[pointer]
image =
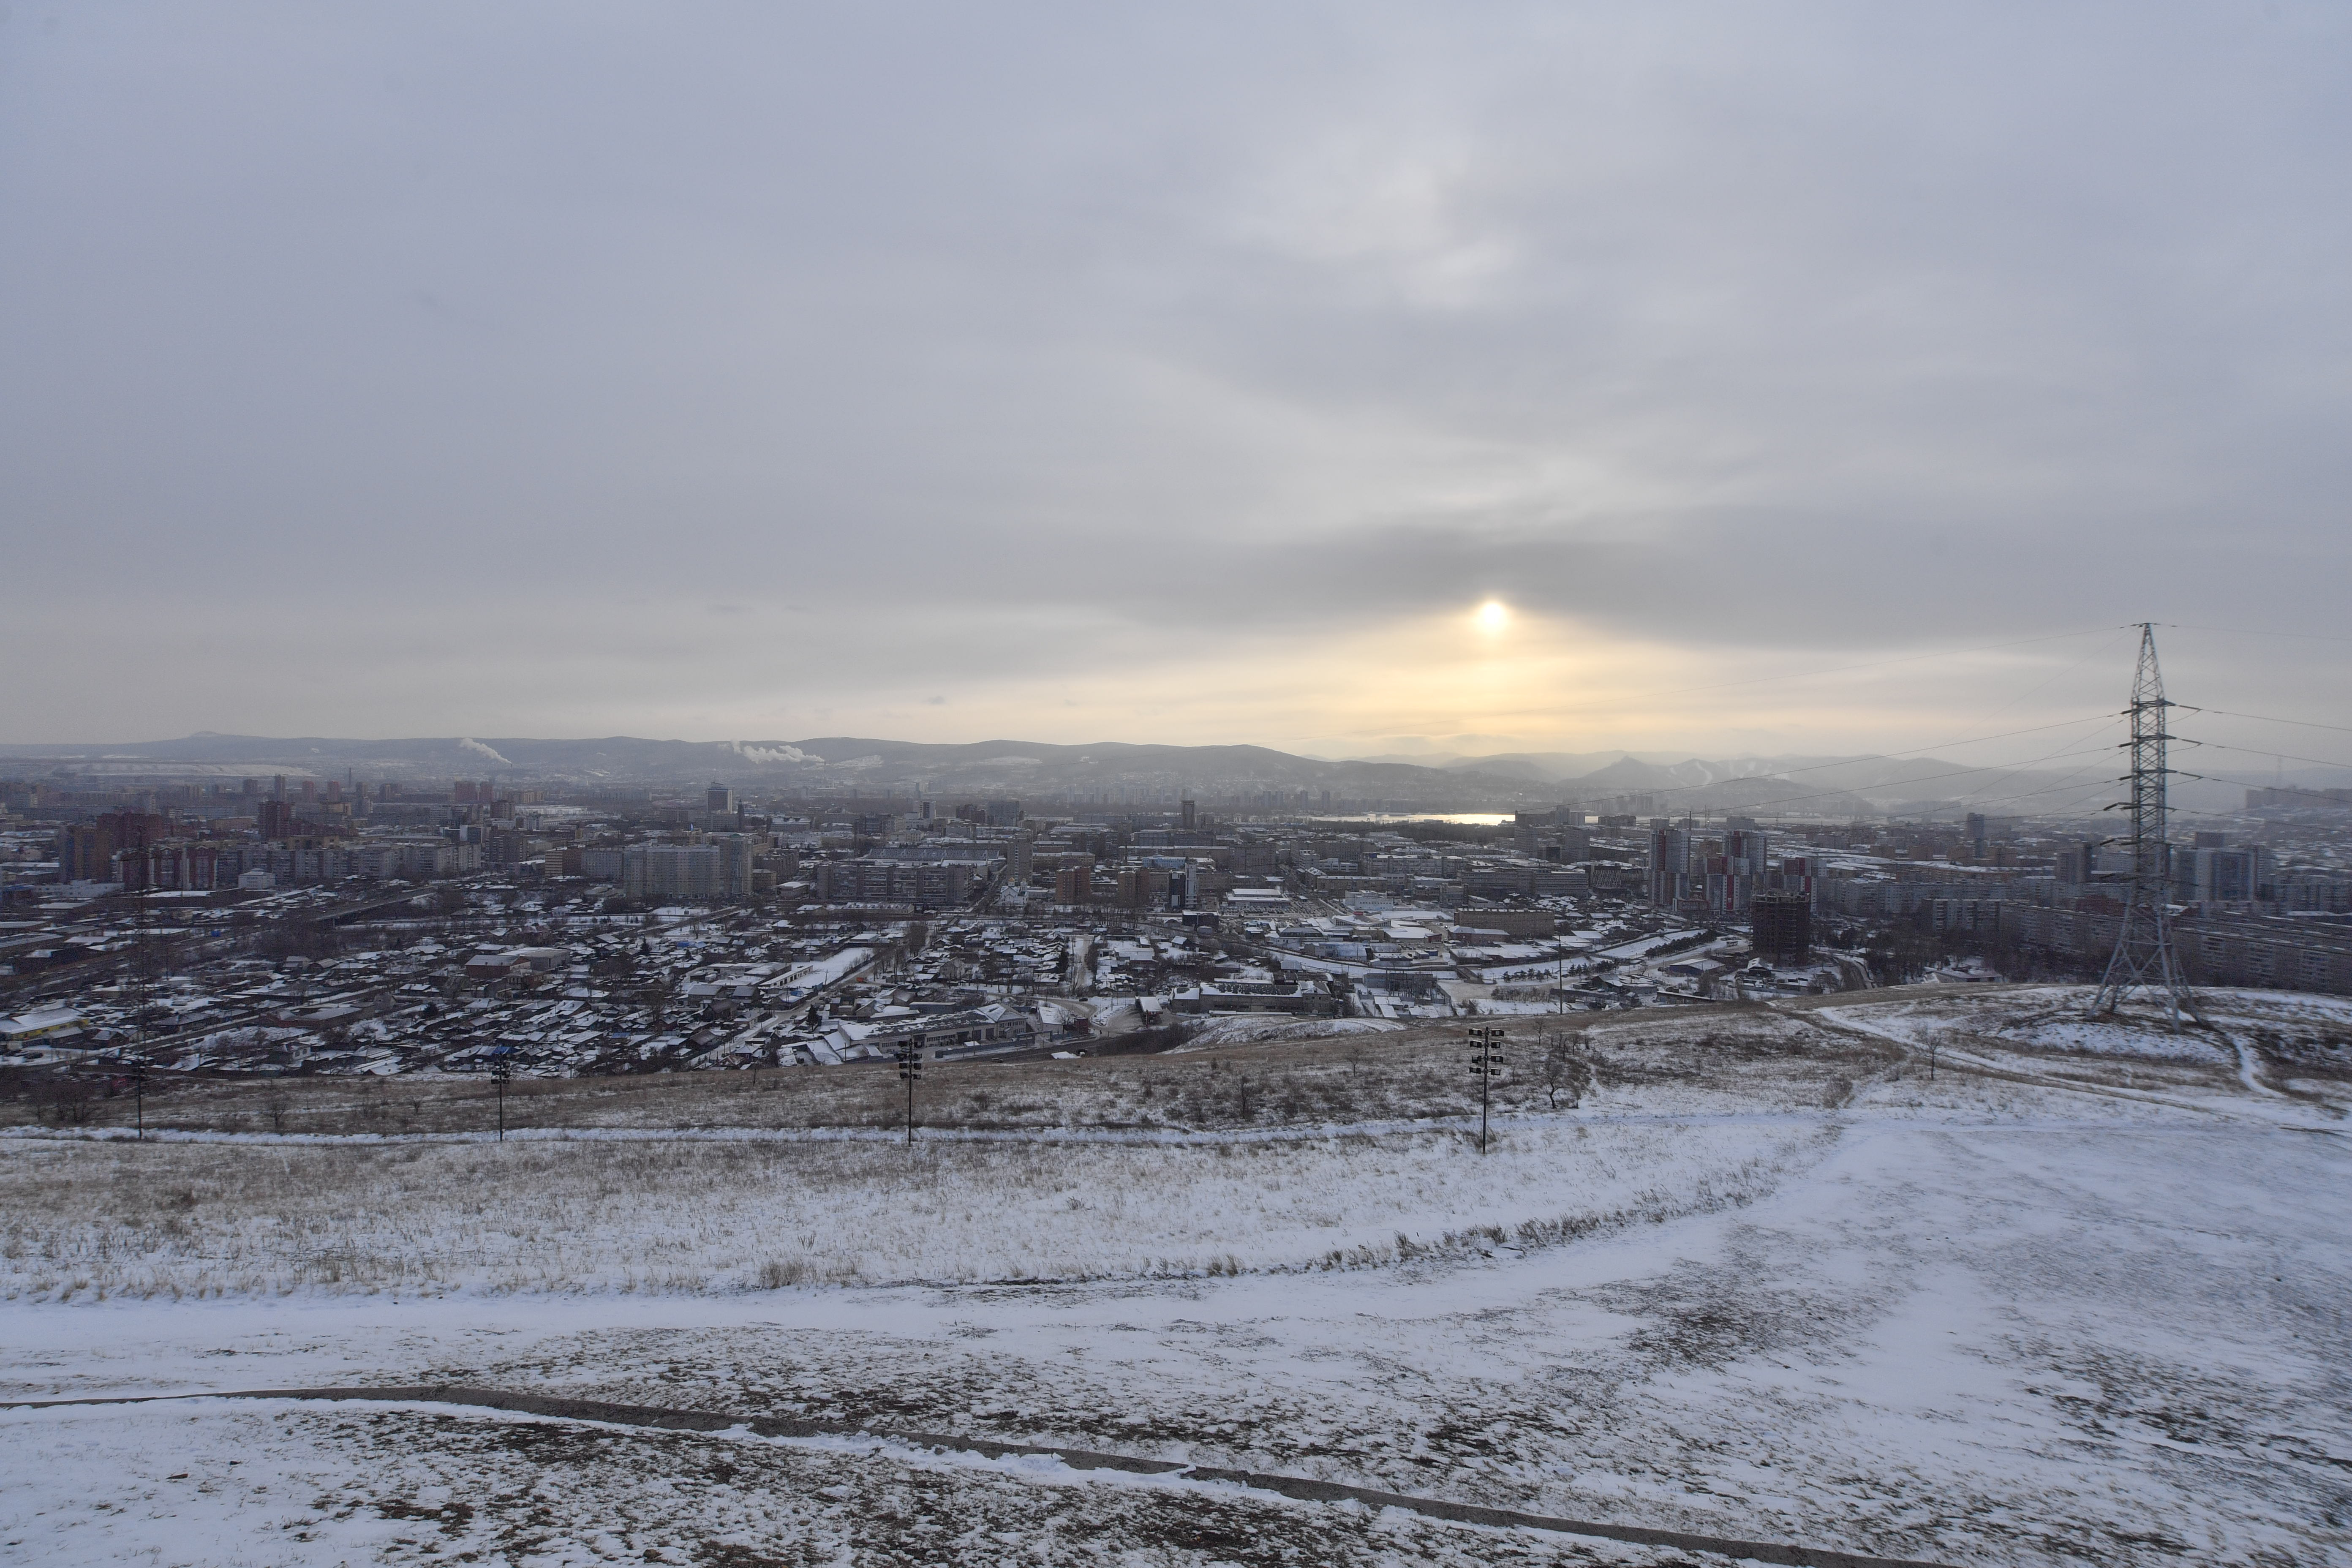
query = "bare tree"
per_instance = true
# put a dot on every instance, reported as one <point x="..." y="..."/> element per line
<point x="1563" y="1070"/>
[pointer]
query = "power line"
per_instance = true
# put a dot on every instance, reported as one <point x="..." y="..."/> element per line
<point x="2267" y="751"/>
<point x="1881" y="756"/>
<point x="1874" y="663"/>
<point x="1971" y="799"/>
<point x="2267" y="719"/>
<point x="2247" y="784"/>
<point x="1929" y="778"/>
<point x="2094" y="653"/>
<point x="2046" y="789"/>
<point x="2250" y="632"/>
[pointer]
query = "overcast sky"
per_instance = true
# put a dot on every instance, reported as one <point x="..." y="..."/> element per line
<point x="1186" y="374"/>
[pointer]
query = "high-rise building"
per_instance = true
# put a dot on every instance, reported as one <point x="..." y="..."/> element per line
<point x="1780" y="926"/>
<point x="86" y="851"/>
<point x="1145" y="887"/>
<point x="719" y="799"/>
<point x="1669" y="866"/>
<point x="2225" y="876"/>
<point x="1745" y="848"/>
<point x="1734" y="876"/>
<point x="689" y="871"/>
<point x="925" y="884"/>
<point x="2075" y="867"/>
<point x="735" y="851"/>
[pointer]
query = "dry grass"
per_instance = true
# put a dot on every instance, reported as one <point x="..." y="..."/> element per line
<point x="265" y="1214"/>
<point x="1358" y="1077"/>
<point x="90" y="1220"/>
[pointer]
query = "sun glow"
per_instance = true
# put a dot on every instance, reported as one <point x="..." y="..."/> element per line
<point x="1493" y="616"/>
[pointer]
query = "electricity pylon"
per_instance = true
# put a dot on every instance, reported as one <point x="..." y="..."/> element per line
<point x="2144" y="958"/>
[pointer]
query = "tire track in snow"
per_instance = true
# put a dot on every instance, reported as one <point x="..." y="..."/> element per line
<point x="1958" y="1059"/>
<point x="791" y="1428"/>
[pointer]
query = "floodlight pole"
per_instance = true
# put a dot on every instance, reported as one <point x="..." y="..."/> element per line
<point x="1486" y="1045"/>
<point x="910" y="1071"/>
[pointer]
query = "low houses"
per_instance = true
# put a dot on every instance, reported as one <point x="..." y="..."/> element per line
<point x="1304" y="997"/>
<point x="53" y="1024"/>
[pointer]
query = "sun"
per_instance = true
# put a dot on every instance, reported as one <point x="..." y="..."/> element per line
<point x="1493" y="616"/>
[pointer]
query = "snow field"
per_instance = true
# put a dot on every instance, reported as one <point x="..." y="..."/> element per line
<point x="271" y="1485"/>
<point x="2028" y="1312"/>
<point x="1253" y="1030"/>
<point x="2052" y="1018"/>
<point x="2036" y="1024"/>
<point x="87" y="1221"/>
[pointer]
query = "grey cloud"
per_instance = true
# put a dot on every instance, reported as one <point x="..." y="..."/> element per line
<point x="1858" y="327"/>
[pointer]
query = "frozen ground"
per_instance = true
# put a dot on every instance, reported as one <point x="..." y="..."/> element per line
<point x="91" y="1221"/>
<point x="2293" y="1048"/>
<point x="2022" y="1313"/>
<point x="1243" y="1031"/>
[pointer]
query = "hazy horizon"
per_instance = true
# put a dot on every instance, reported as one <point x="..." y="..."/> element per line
<point x="1398" y="381"/>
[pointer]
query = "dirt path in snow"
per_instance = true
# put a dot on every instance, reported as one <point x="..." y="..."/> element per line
<point x="1301" y="1487"/>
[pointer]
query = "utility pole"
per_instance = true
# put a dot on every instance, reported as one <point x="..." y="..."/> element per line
<point x="139" y="1088"/>
<point x="2144" y="958"/>
<point x="910" y="1072"/>
<point x="141" y="957"/>
<point x="1485" y="1063"/>
<point x="502" y="1070"/>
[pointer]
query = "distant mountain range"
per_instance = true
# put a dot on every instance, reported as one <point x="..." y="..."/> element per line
<point x="1831" y="786"/>
<point x="1116" y="770"/>
<point x="1797" y="787"/>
